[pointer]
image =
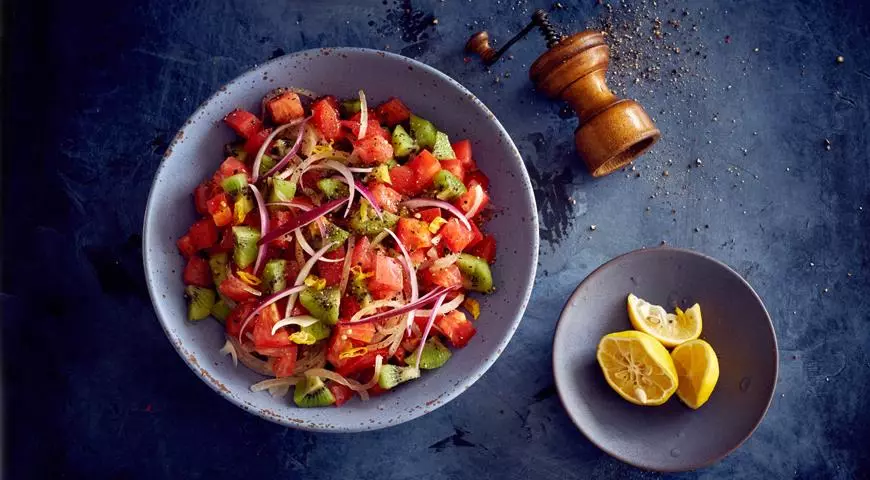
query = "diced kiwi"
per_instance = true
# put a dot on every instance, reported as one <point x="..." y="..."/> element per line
<point x="219" y="265"/>
<point x="365" y="222"/>
<point x="245" y="250"/>
<point x="281" y="191"/>
<point x="200" y="300"/>
<point x="359" y="289"/>
<point x="403" y="143"/>
<point x="220" y="310"/>
<point x="449" y="186"/>
<point x="236" y="150"/>
<point x="311" y="392"/>
<point x="332" y="188"/>
<point x="476" y="274"/>
<point x="381" y="173"/>
<point x="280" y="148"/>
<point x="434" y="355"/>
<point x="319" y="330"/>
<point x="335" y="235"/>
<point x="351" y="107"/>
<point x="392" y="375"/>
<point x="322" y="304"/>
<point x="424" y="132"/>
<point x="275" y="275"/>
<point x="442" y="149"/>
<point x="235" y="183"/>
<point x="266" y="163"/>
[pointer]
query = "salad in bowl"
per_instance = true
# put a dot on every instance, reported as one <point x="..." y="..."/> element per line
<point x="342" y="246"/>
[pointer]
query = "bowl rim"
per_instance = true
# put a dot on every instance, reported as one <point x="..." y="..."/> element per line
<point x="455" y="390"/>
<point x="562" y="322"/>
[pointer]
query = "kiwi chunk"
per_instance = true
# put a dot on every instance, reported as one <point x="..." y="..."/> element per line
<point x="434" y="355"/>
<point x="281" y="191"/>
<point x="322" y="304"/>
<point x="476" y="274"/>
<point x="351" y="107"/>
<point x="219" y="265"/>
<point x="235" y="183"/>
<point x="449" y="186"/>
<point x="274" y="275"/>
<point x="220" y="311"/>
<point x="245" y="250"/>
<point x="311" y="392"/>
<point x="319" y="330"/>
<point x="200" y="300"/>
<point x="442" y="149"/>
<point x="266" y="163"/>
<point x="392" y="375"/>
<point x="424" y="132"/>
<point x="332" y="188"/>
<point x="365" y="222"/>
<point x="403" y="143"/>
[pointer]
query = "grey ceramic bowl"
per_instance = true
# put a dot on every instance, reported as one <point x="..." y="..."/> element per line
<point x="671" y="437"/>
<point x="196" y="153"/>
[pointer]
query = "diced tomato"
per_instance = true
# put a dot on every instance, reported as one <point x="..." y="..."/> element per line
<point x="237" y="316"/>
<point x="285" y="108"/>
<point x="283" y="366"/>
<point x="393" y="111"/>
<point x="292" y="271"/>
<point x="331" y="271"/>
<point x="311" y="177"/>
<point x="455" y="327"/>
<point x="462" y="149"/>
<point x="197" y="272"/>
<point x="429" y="214"/>
<point x="353" y="365"/>
<point x="386" y="197"/>
<point x="226" y="244"/>
<point x="456" y="236"/>
<point x="477" y="177"/>
<point x="337" y="343"/>
<point x="324" y="117"/>
<point x="232" y="166"/>
<point x="405" y="181"/>
<point x="477" y="235"/>
<point x="201" y="194"/>
<point x="363" y="256"/>
<point x="414" y="233"/>
<point x="418" y="257"/>
<point x="443" y="277"/>
<point x="485" y="249"/>
<point x="425" y="166"/>
<point x="203" y="233"/>
<point x="373" y="149"/>
<point x="472" y="201"/>
<point x="262" y="331"/>
<point x="277" y="219"/>
<point x="373" y="129"/>
<point x="363" y="332"/>
<point x="219" y="209"/>
<point x="253" y="144"/>
<point x="388" y="275"/>
<point x="455" y="167"/>
<point x="401" y="354"/>
<point x="186" y="247"/>
<point x="341" y="393"/>
<point x="235" y="289"/>
<point x="348" y="307"/>
<point x="373" y="115"/>
<point x="243" y="122"/>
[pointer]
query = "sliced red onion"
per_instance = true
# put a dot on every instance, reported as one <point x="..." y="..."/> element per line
<point x="360" y="169"/>
<point x="348" y="177"/>
<point x="259" y="158"/>
<point x="301" y="220"/>
<point x="429" y="323"/>
<point x="300" y="206"/>
<point x="320" y="228"/>
<point x="264" y="227"/>
<point x="345" y="269"/>
<point x="424" y="300"/>
<point x="306" y="269"/>
<point x="478" y="199"/>
<point x="363" y="115"/>
<point x="445" y="308"/>
<point x="412" y="276"/>
<point x="266" y="302"/>
<point x="367" y="194"/>
<point x="291" y="153"/>
<point x="301" y="320"/>
<point x="445" y="261"/>
<point x="423" y="202"/>
<point x="309" y="250"/>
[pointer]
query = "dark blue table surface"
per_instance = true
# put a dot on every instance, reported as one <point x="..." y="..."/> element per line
<point x="94" y="91"/>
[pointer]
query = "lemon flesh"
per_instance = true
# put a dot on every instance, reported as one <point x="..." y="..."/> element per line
<point x="698" y="372"/>
<point x="668" y="328"/>
<point x="638" y="367"/>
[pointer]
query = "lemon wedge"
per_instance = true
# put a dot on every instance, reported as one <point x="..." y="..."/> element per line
<point x="638" y="367"/>
<point x="668" y="328"/>
<point x="698" y="372"/>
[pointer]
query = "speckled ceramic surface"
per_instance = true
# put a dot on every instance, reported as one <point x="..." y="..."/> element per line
<point x="197" y="151"/>
<point x="671" y="437"/>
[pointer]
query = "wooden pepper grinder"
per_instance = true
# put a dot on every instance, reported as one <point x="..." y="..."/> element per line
<point x="613" y="131"/>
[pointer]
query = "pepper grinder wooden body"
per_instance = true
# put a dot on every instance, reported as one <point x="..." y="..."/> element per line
<point x="612" y="131"/>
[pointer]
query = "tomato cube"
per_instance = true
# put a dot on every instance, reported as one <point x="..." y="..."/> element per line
<point x="197" y="272"/>
<point x="341" y="393"/>
<point x="429" y="214"/>
<point x="472" y="201"/>
<point x="386" y="197"/>
<point x="388" y="275"/>
<point x="201" y="194"/>
<point x="232" y="166"/>
<point x="393" y="111"/>
<point x="456" y="328"/>
<point x="235" y="289"/>
<point x="462" y="149"/>
<point x="442" y="277"/>
<point x="203" y="234"/>
<point x="220" y="210"/>
<point x="477" y="177"/>
<point x="245" y="123"/>
<point x="485" y="249"/>
<point x="363" y="256"/>
<point x="425" y="166"/>
<point x="284" y="365"/>
<point x="455" y="167"/>
<point x="405" y="181"/>
<point x="237" y="316"/>
<point x="413" y="233"/>
<point x="285" y="108"/>
<point x="324" y="117"/>
<point x="373" y="149"/>
<point x="253" y="144"/>
<point x="331" y="271"/>
<point x="186" y="247"/>
<point x="456" y="235"/>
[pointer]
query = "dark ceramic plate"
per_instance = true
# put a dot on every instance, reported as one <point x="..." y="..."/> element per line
<point x="671" y="437"/>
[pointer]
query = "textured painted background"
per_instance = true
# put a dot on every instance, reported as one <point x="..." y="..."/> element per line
<point x="93" y="92"/>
